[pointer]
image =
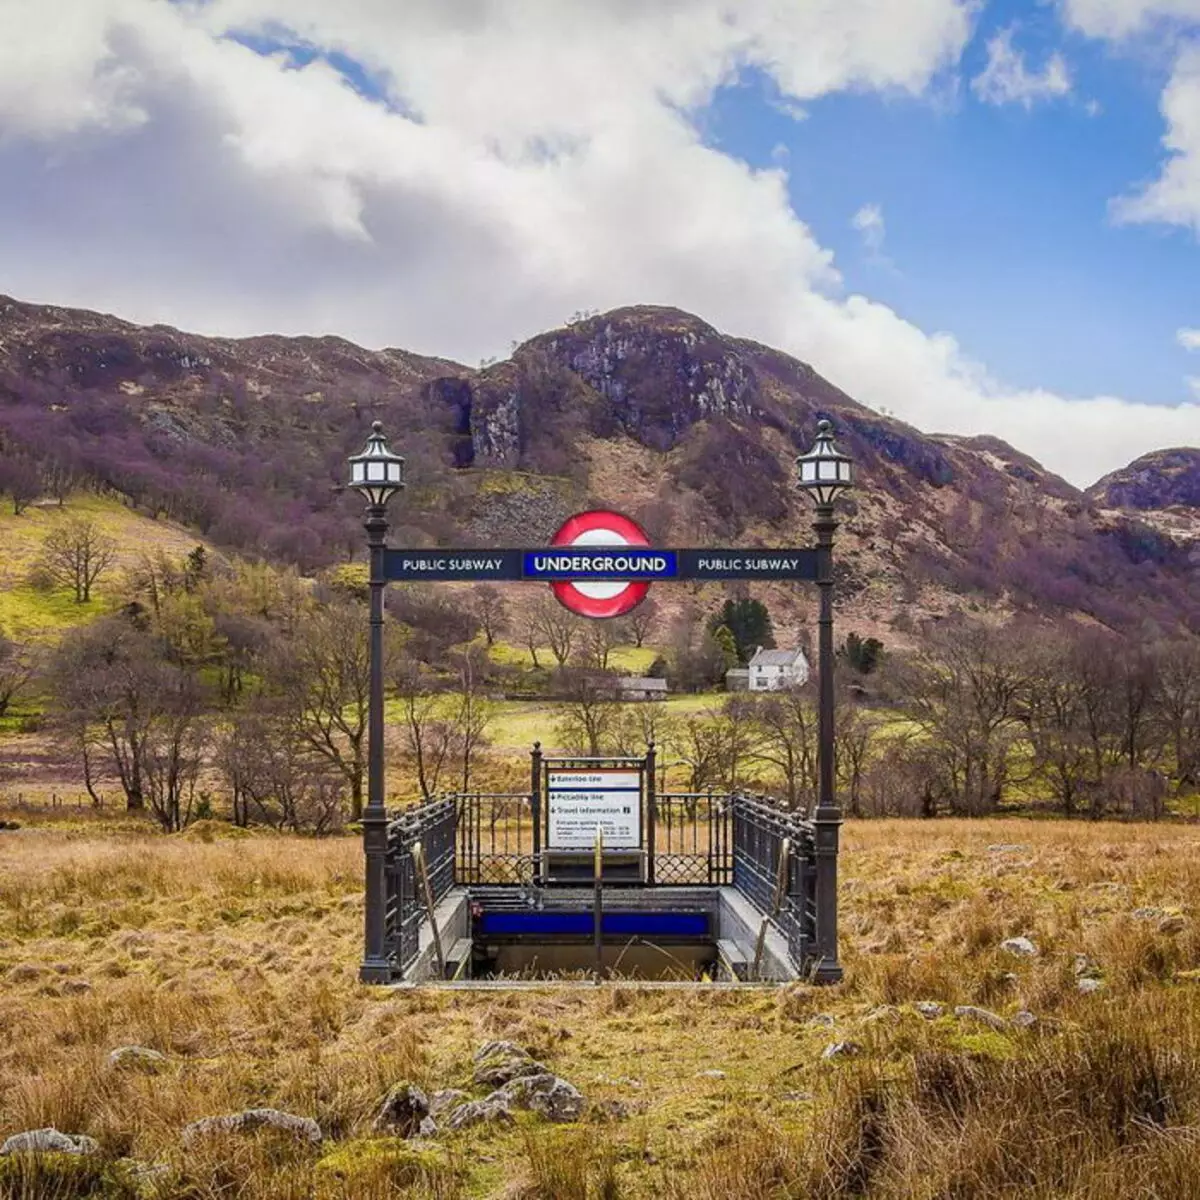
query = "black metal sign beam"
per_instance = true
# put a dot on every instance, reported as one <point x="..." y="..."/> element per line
<point x="619" y="563"/>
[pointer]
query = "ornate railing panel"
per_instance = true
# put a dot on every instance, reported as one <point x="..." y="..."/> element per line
<point x="759" y="832"/>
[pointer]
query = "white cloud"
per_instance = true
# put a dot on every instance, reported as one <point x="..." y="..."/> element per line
<point x="1169" y="25"/>
<point x="536" y="157"/>
<point x="1193" y="381"/>
<point x="1174" y="197"/>
<point x="1189" y="339"/>
<point x="1007" y="80"/>
<point x="869" y="222"/>
<point x="1124" y="18"/>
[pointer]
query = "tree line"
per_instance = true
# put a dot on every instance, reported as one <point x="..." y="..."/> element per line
<point x="243" y="688"/>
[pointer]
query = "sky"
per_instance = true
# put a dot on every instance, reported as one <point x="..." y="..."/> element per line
<point x="978" y="216"/>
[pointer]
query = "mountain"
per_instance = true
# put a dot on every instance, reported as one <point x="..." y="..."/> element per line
<point x="648" y="409"/>
<point x="1165" y="479"/>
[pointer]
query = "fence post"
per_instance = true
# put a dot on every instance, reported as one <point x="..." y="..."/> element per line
<point x="535" y="808"/>
<point x="651" y="810"/>
<point x="598" y="903"/>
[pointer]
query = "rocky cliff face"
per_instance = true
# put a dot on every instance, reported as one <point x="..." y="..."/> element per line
<point x="1162" y="480"/>
<point x="649" y="409"/>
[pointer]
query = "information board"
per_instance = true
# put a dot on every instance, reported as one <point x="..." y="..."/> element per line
<point x="579" y="801"/>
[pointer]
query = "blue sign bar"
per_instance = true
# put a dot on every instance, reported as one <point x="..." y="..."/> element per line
<point x="620" y="563"/>
<point x="653" y="925"/>
<point x="599" y="562"/>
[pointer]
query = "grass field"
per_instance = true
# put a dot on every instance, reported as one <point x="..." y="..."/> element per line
<point x="24" y="609"/>
<point x="236" y="959"/>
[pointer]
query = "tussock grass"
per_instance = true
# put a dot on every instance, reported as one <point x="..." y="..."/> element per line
<point x="236" y="958"/>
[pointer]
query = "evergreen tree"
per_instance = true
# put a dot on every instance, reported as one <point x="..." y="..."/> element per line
<point x="749" y="624"/>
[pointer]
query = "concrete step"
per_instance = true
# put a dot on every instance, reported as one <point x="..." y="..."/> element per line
<point x="732" y="959"/>
<point x="458" y="959"/>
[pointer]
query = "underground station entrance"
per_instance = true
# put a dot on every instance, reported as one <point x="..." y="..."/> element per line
<point x="595" y="874"/>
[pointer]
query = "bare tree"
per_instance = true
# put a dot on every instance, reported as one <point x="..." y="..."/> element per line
<point x="323" y="676"/>
<point x="266" y="766"/>
<point x="854" y="749"/>
<point x="21" y="480"/>
<point x="964" y="689"/>
<point x="430" y="731"/>
<point x="117" y="696"/>
<point x="474" y="713"/>
<point x="786" y="739"/>
<point x="589" y="708"/>
<point x="699" y="747"/>
<point x="1179" y="703"/>
<point x="17" y="668"/>
<point x="490" y="611"/>
<point x="557" y="627"/>
<point x="641" y="621"/>
<point x="599" y="639"/>
<point x="75" y="554"/>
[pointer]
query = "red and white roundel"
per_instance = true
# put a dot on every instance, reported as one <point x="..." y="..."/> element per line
<point x="608" y="598"/>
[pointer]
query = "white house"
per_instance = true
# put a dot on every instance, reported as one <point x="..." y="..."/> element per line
<point x="771" y="670"/>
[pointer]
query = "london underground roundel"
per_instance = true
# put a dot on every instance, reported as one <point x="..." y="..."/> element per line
<point x="600" y="598"/>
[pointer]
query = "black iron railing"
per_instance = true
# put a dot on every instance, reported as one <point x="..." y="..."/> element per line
<point x="701" y="838"/>
<point x="760" y="830"/>
<point x="433" y="826"/>
<point x="694" y="838"/>
<point x="495" y="838"/>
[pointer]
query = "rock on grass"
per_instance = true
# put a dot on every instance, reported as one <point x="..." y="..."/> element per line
<point x="137" y="1058"/>
<point x="547" y="1095"/>
<point x="303" y="1129"/>
<point x="49" y="1141"/>
<point x="498" y="1063"/>
<point x="983" y="1015"/>
<point x="405" y="1111"/>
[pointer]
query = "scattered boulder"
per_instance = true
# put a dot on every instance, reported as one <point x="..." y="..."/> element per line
<point x="1089" y="985"/>
<point x="446" y="1099"/>
<point x="1024" y="1019"/>
<point x="611" y="1110"/>
<point x="303" y="1129"/>
<point x="1022" y="947"/>
<point x="498" y="1063"/>
<point x="405" y="1111"/>
<point x="547" y="1094"/>
<point x="492" y="1111"/>
<point x="827" y="1020"/>
<point x="841" y="1050"/>
<point x="137" y="1058"/>
<point x="929" y="1009"/>
<point x="49" y="1141"/>
<point x="1147" y="912"/>
<point x="1172" y="923"/>
<point x="26" y="972"/>
<point x="984" y="1016"/>
<point x="885" y="1012"/>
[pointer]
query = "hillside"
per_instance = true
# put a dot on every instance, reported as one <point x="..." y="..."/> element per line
<point x="1165" y="479"/>
<point x="690" y="431"/>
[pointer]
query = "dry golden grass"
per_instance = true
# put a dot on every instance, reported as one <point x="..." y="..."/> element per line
<point x="236" y="958"/>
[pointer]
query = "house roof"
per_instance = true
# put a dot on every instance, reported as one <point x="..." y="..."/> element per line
<point x="647" y="683"/>
<point x="776" y="658"/>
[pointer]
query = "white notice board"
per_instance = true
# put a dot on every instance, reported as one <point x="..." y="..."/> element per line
<point x="581" y="800"/>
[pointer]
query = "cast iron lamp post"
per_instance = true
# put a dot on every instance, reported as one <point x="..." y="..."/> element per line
<point x="378" y="475"/>
<point x="825" y="473"/>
